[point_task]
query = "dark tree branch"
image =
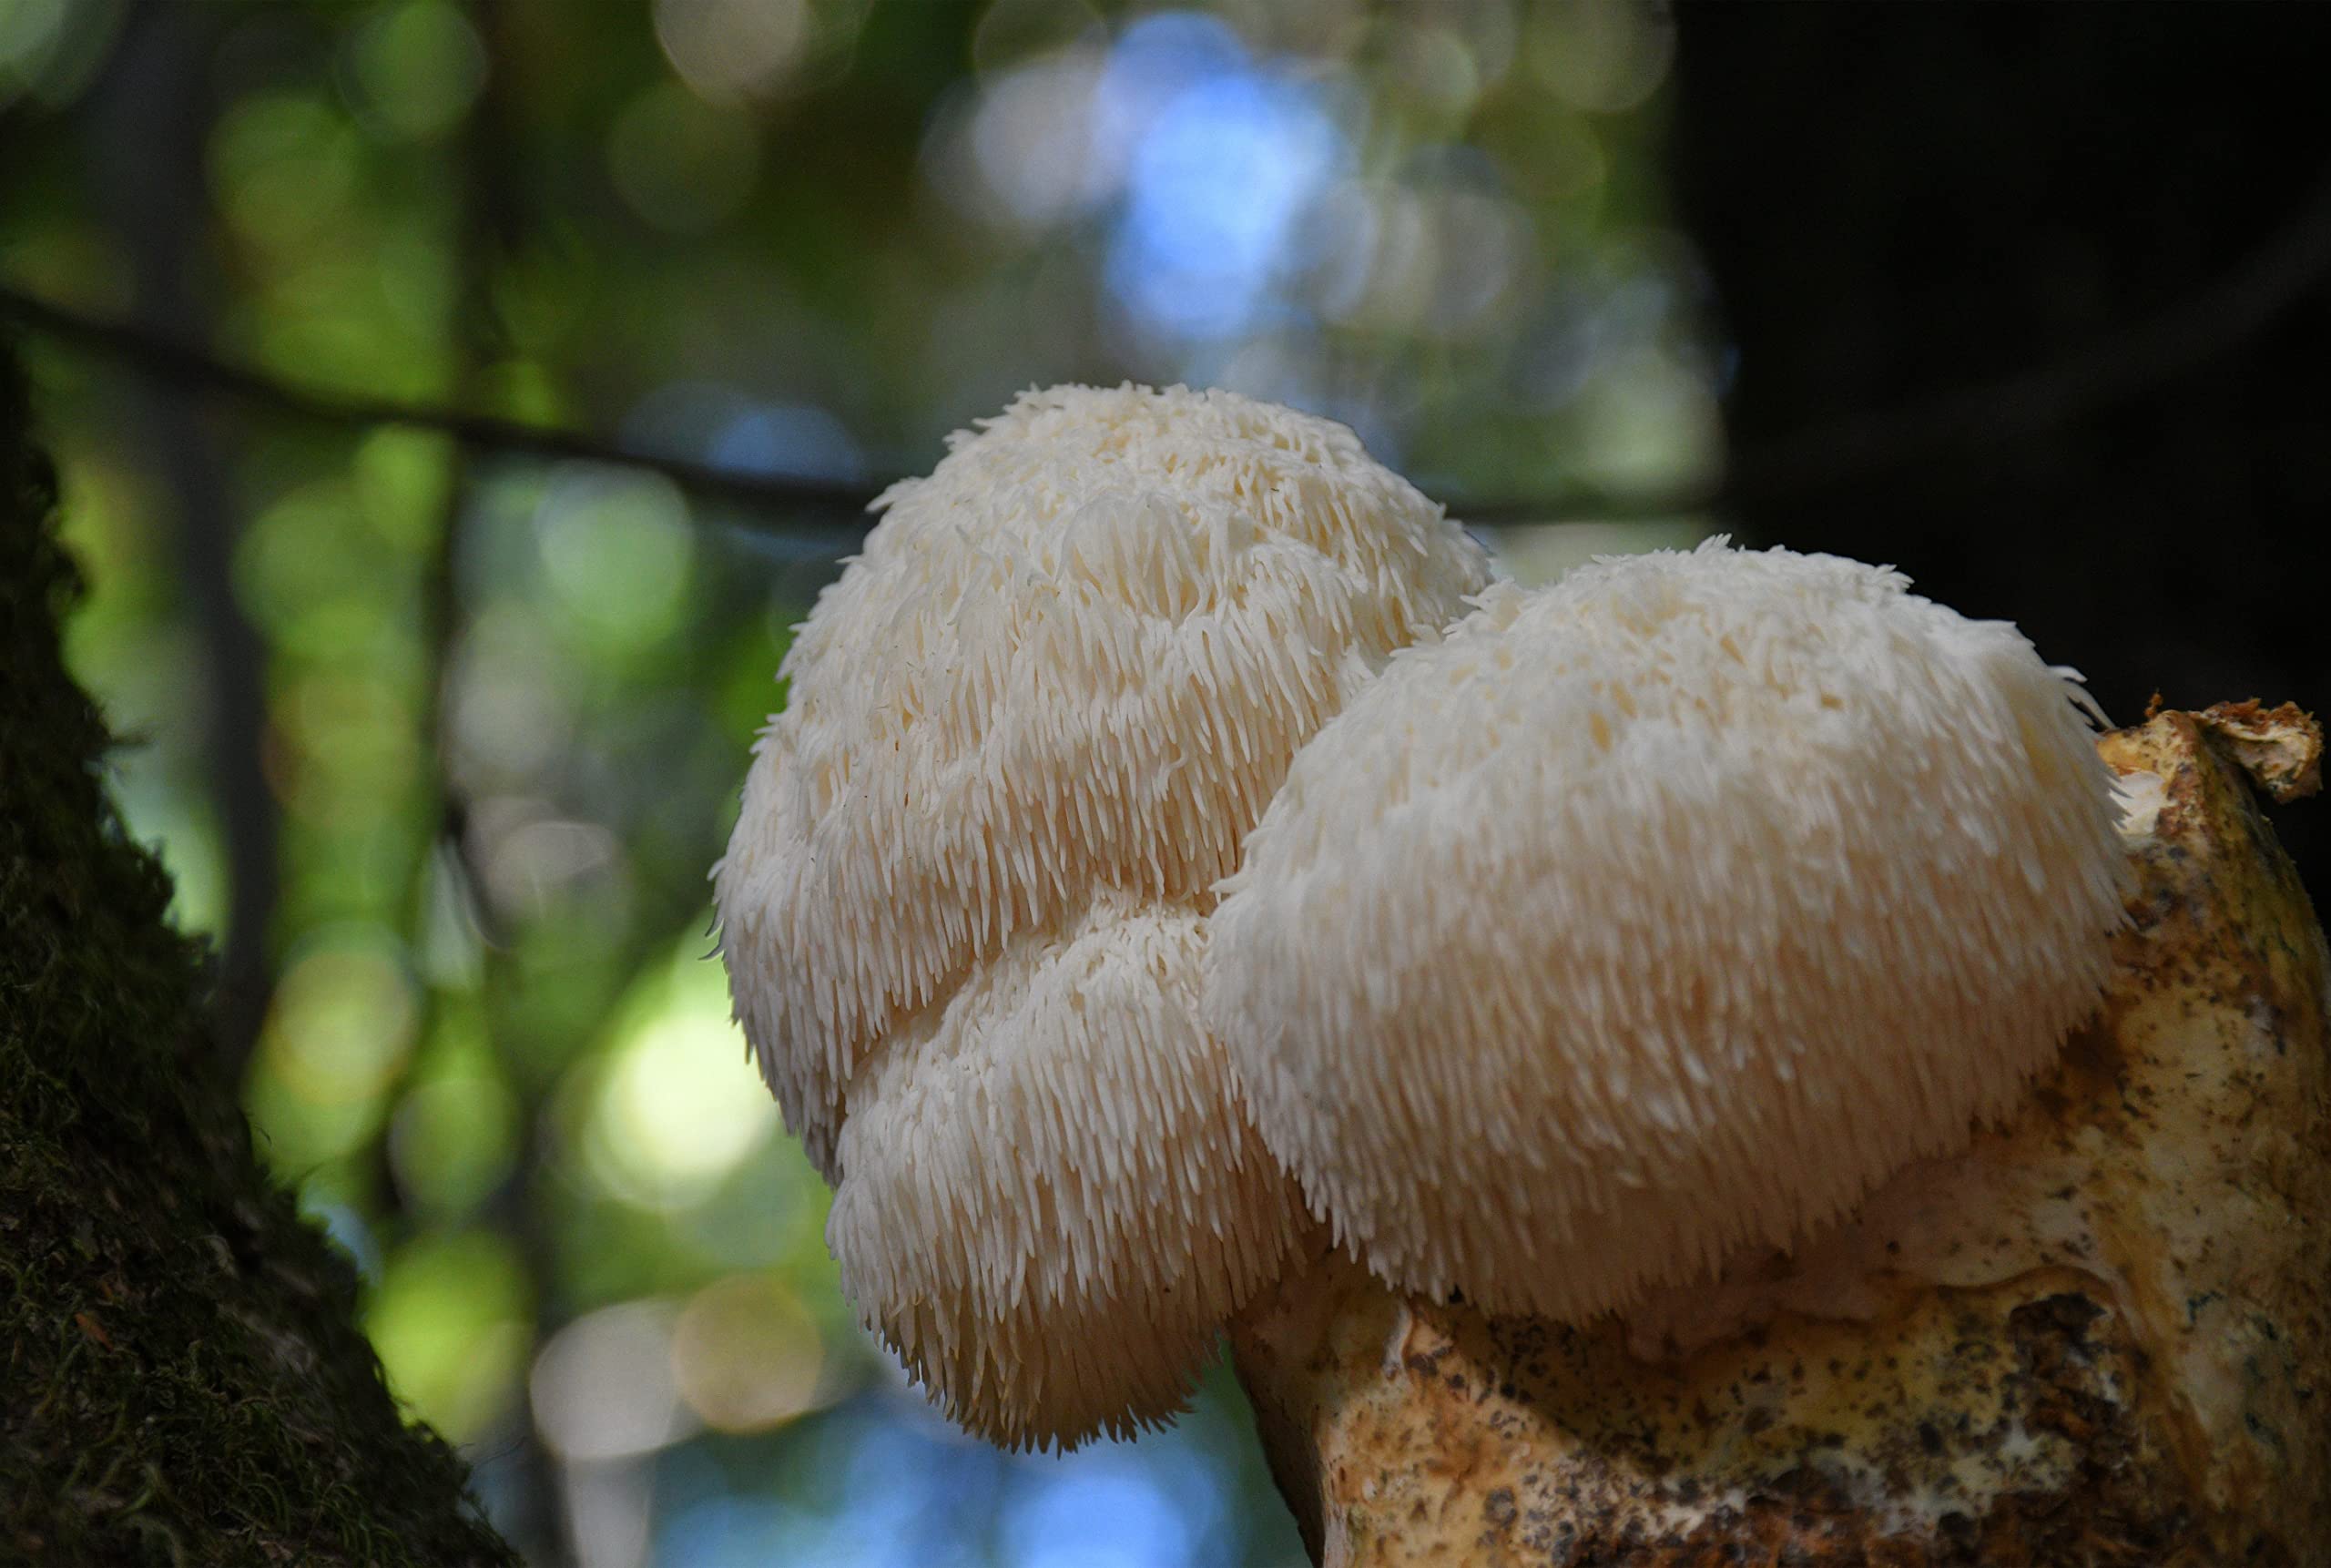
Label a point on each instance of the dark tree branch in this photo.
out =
(183, 365)
(831, 504)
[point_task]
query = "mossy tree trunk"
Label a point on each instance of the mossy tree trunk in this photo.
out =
(181, 1380)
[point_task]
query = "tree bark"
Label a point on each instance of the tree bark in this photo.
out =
(181, 1377)
(2100, 1336)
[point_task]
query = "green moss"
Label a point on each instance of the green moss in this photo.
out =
(180, 1378)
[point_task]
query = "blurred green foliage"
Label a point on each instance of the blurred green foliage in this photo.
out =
(507, 705)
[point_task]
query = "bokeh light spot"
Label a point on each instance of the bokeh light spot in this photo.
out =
(1652, 423)
(1215, 189)
(1101, 1508)
(724, 49)
(49, 49)
(343, 1018)
(616, 548)
(284, 166)
(603, 1388)
(29, 31)
(1607, 56)
(682, 163)
(452, 1137)
(679, 1105)
(746, 1355)
(416, 67)
(1031, 138)
(449, 1318)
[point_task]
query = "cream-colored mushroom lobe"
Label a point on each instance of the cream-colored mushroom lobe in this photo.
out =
(1051, 1198)
(1660, 913)
(1078, 655)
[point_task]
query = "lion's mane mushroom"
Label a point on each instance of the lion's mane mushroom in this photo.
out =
(1026, 732)
(1079, 655)
(1660, 914)
(1053, 1192)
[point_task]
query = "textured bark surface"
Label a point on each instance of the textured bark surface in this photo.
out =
(2100, 1336)
(181, 1379)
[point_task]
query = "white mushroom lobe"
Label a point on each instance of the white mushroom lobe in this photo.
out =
(1659, 913)
(1078, 655)
(1027, 730)
(1054, 1198)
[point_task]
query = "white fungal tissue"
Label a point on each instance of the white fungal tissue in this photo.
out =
(1026, 732)
(1051, 1197)
(1659, 913)
(1079, 655)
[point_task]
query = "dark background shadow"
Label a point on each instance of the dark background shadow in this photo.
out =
(2032, 302)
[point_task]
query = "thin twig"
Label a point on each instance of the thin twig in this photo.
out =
(183, 364)
(833, 503)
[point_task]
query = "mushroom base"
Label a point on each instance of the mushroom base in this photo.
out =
(2102, 1335)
